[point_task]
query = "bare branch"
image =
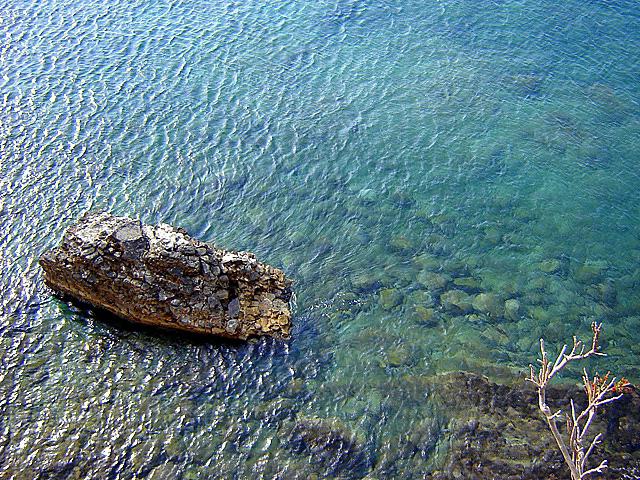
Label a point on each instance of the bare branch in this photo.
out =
(577, 423)
(594, 442)
(599, 469)
(561, 355)
(608, 400)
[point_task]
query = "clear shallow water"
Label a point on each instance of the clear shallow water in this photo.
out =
(382, 153)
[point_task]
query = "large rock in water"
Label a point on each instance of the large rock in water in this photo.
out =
(158, 275)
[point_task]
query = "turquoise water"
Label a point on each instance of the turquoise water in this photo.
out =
(383, 153)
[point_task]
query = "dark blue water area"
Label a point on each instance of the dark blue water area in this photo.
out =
(445, 183)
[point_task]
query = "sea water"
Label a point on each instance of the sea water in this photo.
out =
(445, 182)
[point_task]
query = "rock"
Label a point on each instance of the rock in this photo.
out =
(527, 84)
(368, 196)
(460, 267)
(390, 298)
(487, 420)
(495, 336)
(488, 303)
(402, 199)
(295, 387)
(512, 309)
(400, 243)
(590, 271)
(160, 276)
(366, 282)
(174, 446)
(330, 444)
(523, 213)
(550, 266)
(492, 235)
(456, 299)
(423, 216)
(604, 293)
(164, 471)
(431, 280)
(421, 297)
(613, 106)
(424, 315)
(539, 314)
(475, 318)
(426, 261)
(434, 241)
(467, 282)
(498, 282)
(144, 454)
(424, 436)
(298, 237)
(397, 356)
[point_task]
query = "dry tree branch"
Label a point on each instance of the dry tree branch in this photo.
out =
(577, 424)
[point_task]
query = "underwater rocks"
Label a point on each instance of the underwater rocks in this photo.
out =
(426, 261)
(158, 275)
(527, 85)
(432, 281)
(512, 309)
(591, 271)
(467, 282)
(457, 300)
(366, 282)
(424, 315)
(488, 303)
(398, 356)
(390, 298)
(401, 244)
(497, 431)
(330, 445)
(550, 266)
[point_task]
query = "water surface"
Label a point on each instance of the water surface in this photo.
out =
(381, 152)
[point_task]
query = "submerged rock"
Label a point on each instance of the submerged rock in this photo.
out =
(431, 280)
(398, 356)
(158, 275)
(400, 243)
(512, 309)
(604, 293)
(467, 282)
(492, 235)
(591, 271)
(457, 299)
(421, 297)
(527, 84)
(426, 261)
(330, 444)
(424, 436)
(497, 430)
(390, 298)
(424, 315)
(488, 303)
(550, 266)
(366, 282)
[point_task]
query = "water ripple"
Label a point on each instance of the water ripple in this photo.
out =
(381, 152)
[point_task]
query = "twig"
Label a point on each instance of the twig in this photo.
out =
(577, 424)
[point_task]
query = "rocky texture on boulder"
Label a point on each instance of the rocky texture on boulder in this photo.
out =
(158, 275)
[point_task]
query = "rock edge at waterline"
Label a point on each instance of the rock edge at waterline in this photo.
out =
(160, 276)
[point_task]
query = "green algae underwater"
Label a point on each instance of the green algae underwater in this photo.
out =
(445, 182)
